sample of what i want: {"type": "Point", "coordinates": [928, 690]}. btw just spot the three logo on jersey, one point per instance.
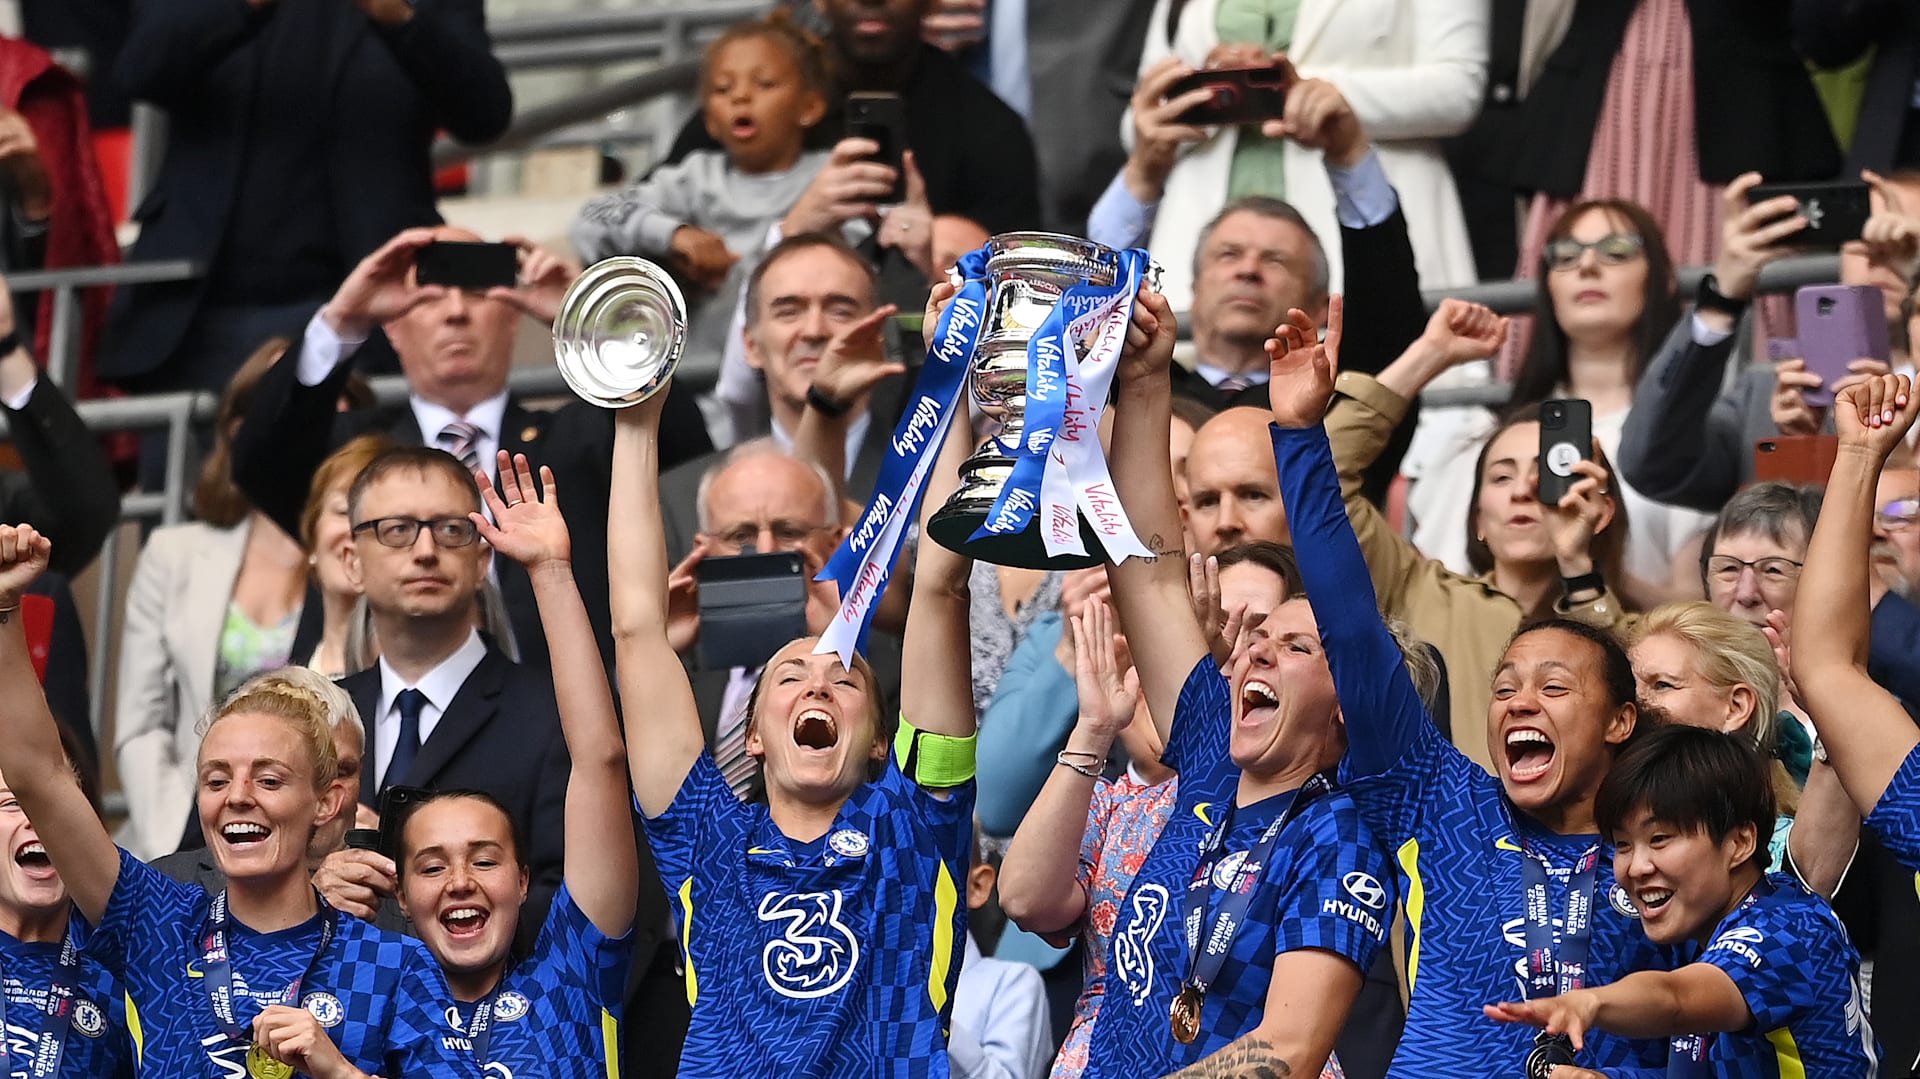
{"type": "Point", "coordinates": [816, 953]}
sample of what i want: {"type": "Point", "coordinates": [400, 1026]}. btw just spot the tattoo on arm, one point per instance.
{"type": "Point", "coordinates": [1164, 548]}
{"type": "Point", "coordinates": [1248, 1058]}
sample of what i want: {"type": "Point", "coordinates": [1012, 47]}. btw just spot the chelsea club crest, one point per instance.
{"type": "Point", "coordinates": [848, 843]}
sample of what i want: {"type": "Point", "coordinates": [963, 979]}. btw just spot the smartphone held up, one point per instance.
{"type": "Point", "coordinates": [1566, 439]}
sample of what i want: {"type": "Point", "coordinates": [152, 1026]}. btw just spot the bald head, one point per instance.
{"type": "Point", "coordinates": [1233, 490]}
{"type": "Point", "coordinates": [776, 502]}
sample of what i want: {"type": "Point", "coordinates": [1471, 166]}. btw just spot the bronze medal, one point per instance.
{"type": "Point", "coordinates": [1184, 1016]}
{"type": "Point", "coordinates": [261, 1065]}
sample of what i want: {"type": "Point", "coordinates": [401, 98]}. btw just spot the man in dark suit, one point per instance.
{"type": "Point", "coordinates": [299, 141]}
{"type": "Point", "coordinates": [806, 289]}
{"type": "Point", "coordinates": [455, 348]}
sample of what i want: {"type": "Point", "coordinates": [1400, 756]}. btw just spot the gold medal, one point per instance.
{"type": "Point", "coordinates": [1184, 1016]}
{"type": "Point", "coordinates": [261, 1065]}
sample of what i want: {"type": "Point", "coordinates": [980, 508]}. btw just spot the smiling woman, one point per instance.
{"type": "Point", "coordinates": [261, 968]}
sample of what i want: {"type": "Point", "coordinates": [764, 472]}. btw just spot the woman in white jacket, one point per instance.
{"type": "Point", "coordinates": [1413, 71]}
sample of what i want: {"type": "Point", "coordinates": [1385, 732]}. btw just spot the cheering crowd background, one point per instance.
{"type": "Point", "coordinates": [1598, 150]}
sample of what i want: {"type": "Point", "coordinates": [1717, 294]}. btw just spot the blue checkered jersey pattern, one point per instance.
{"type": "Point", "coordinates": [557, 1011]}
{"type": "Point", "coordinates": [1444, 818]}
{"type": "Point", "coordinates": [96, 1044]}
{"type": "Point", "coordinates": [1800, 977]}
{"type": "Point", "coordinates": [837, 959]}
{"type": "Point", "coordinates": [1896, 818]}
{"type": "Point", "coordinates": [1327, 885]}
{"type": "Point", "coordinates": [380, 996]}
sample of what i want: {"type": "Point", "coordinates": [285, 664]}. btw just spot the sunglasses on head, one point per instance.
{"type": "Point", "coordinates": [1613, 249]}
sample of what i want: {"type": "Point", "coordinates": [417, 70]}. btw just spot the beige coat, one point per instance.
{"type": "Point", "coordinates": [1465, 617]}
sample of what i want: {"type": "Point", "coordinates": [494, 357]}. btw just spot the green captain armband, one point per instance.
{"type": "Point", "coordinates": [934, 760]}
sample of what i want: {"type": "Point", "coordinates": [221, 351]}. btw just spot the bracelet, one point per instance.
{"type": "Point", "coordinates": [1582, 583]}
{"type": "Point", "coordinates": [1091, 771]}
{"type": "Point", "coordinates": [826, 406]}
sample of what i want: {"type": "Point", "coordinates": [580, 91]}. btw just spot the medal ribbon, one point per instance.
{"type": "Point", "coordinates": [216, 967]}
{"type": "Point", "coordinates": [1204, 959]}
{"type": "Point", "coordinates": [480, 1028]}
{"type": "Point", "coordinates": [865, 559]}
{"type": "Point", "coordinates": [56, 1016]}
{"type": "Point", "coordinates": [1549, 974]}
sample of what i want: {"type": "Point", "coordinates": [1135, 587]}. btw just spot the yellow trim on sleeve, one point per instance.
{"type": "Point", "coordinates": [610, 1041]}
{"type": "Point", "coordinates": [1786, 1052]}
{"type": "Point", "coordinates": [686, 940]}
{"type": "Point", "coordinates": [1409, 855]}
{"type": "Point", "coordinates": [134, 1031]}
{"type": "Point", "coordinates": [946, 901]}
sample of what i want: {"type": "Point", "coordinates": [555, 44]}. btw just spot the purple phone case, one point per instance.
{"type": "Point", "coordinates": [1837, 325]}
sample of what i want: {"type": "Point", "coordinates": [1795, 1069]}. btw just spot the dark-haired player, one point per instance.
{"type": "Point", "coordinates": [1773, 989]}
{"type": "Point", "coordinates": [1505, 885]}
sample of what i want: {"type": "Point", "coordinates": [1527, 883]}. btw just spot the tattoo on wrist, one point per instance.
{"type": "Point", "coordinates": [1248, 1058]}
{"type": "Point", "coordinates": [1162, 548]}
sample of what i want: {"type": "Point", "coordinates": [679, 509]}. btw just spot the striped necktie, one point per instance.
{"type": "Point", "coordinates": [730, 754]}
{"type": "Point", "coordinates": [462, 439]}
{"type": "Point", "coordinates": [1233, 384]}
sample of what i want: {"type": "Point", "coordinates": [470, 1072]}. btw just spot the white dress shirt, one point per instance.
{"type": "Point", "coordinates": [856, 435]}
{"type": "Point", "coordinates": [438, 686]}
{"type": "Point", "coordinates": [1001, 1028]}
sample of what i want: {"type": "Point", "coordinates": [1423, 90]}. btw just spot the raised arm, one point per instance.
{"type": "Point", "coordinates": [35, 766]}
{"type": "Point", "coordinates": [663, 722]}
{"type": "Point", "coordinates": [1040, 879]}
{"type": "Point", "coordinates": [1866, 732]}
{"type": "Point", "coordinates": [1377, 697]}
{"type": "Point", "coordinates": [936, 652]}
{"type": "Point", "coordinates": [1151, 593]}
{"type": "Point", "coordinates": [602, 870]}
{"type": "Point", "coordinates": [853, 363]}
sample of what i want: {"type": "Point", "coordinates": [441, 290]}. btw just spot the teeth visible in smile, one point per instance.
{"type": "Point", "coordinates": [463, 915]}
{"type": "Point", "coordinates": [244, 831]}
{"type": "Point", "coordinates": [1656, 897]}
{"type": "Point", "coordinates": [1258, 693]}
{"type": "Point", "coordinates": [1522, 736]}
{"type": "Point", "coordinates": [32, 849]}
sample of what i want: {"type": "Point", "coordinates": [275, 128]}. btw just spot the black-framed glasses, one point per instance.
{"type": "Point", "coordinates": [1726, 569]}
{"type": "Point", "coordinates": [405, 531]}
{"type": "Point", "coordinates": [1613, 249]}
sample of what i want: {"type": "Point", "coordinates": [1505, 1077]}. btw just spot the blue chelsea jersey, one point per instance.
{"type": "Point", "coordinates": [1799, 973]}
{"type": "Point", "coordinates": [557, 1012]}
{"type": "Point", "coordinates": [1326, 885]}
{"type": "Point", "coordinates": [1896, 818]}
{"type": "Point", "coordinates": [830, 960]}
{"type": "Point", "coordinates": [375, 993]}
{"type": "Point", "coordinates": [96, 1045]}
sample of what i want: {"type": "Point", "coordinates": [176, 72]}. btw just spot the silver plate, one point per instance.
{"type": "Point", "coordinates": [620, 332]}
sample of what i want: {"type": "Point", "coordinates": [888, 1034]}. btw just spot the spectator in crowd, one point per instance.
{"type": "Point", "coordinates": [1689, 812]}
{"type": "Point", "coordinates": [36, 932]}
{"type": "Point", "coordinates": [1233, 495]}
{"type": "Point", "coordinates": [1662, 103]}
{"type": "Point", "coordinates": [1886, 133]}
{"type": "Point", "coordinates": [1280, 969]}
{"type": "Point", "coordinates": [463, 869]}
{"type": "Point", "coordinates": [891, 845]}
{"type": "Point", "coordinates": [1689, 443]}
{"type": "Point", "coordinates": [267, 770]}
{"type": "Point", "coordinates": [1258, 257]}
{"type": "Point", "coordinates": [213, 602]}
{"type": "Point", "coordinates": [1000, 1027]}
{"type": "Point", "coordinates": [298, 145]}
{"type": "Point", "coordinates": [1896, 539]}
{"type": "Point", "coordinates": [1605, 300]}
{"type": "Point", "coordinates": [455, 348]}
{"type": "Point", "coordinates": [1409, 84]}
{"type": "Point", "coordinates": [764, 86]}
{"type": "Point", "coordinates": [346, 642]}
{"type": "Point", "coordinates": [1480, 851]}
{"type": "Point", "coordinates": [810, 294]}
{"type": "Point", "coordinates": [444, 708]}
{"type": "Point", "coordinates": [197, 864]}
{"type": "Point", "coordinates": [1532, 561]}
{"type": "Point", "coordinates": [972, 149]}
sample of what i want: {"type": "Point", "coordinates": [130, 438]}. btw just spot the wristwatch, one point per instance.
{"type": "Point", "coordinates": [1708, 297]}
{"type": "Point", "coordinates": [826, 406]}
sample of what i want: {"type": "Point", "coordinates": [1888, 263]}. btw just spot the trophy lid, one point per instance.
{"type": "Point", "coordinates": [621, 329]}
{"type": "Point", "coordinates": [1074, 256]}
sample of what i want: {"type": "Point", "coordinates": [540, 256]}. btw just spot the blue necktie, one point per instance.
{"type": "Point", "coordinates": [411, 702]}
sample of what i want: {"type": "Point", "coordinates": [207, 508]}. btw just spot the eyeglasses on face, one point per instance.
{"type": "Point", "coordinates": [404, 531]}
{"type": "Point", "coordinates": [1899, 514]}
{"type": "Point", "coordinates": [786, 535]}
{"type": "Point", "coordinates": [1613, 249]}
{"type": "Point", "coordinates": [1726, 569]}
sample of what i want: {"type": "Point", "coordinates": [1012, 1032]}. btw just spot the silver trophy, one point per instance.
{"type": "Point", "coordinates": [1029, 273]}
{"type": "Point", "coordinates": [620, 332]}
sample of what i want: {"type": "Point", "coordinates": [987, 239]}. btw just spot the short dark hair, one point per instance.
{"type": "Point", "coordinates": [1782, 512]}
{"type": "Point", "coordinates": [1691, 778]}
{"type": "Point", "coordinates": [1276, 558]}
{"type": "Point", "coordinates": [793, 245]}
{"type": "Point", "coordinates": [1321, 277]}
{"type": "Point", "coordinates": [425, 460]}
{"type": "Point", "coordinates": [518, 853]}
{"type": "Point", "coordinates": [1616, 670]}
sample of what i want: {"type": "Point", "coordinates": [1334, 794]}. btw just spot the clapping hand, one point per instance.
{"type": "Point", "coordinates": [1221, 627]}
{"type": "Point", "coordinates": [1109, 688]}
{"type": "Point", "coordinates": [527, 526]}
{"type": "Point", "coordinates": [1303, 366]}
{"type": "Point", "coordinates": [24, 554]}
